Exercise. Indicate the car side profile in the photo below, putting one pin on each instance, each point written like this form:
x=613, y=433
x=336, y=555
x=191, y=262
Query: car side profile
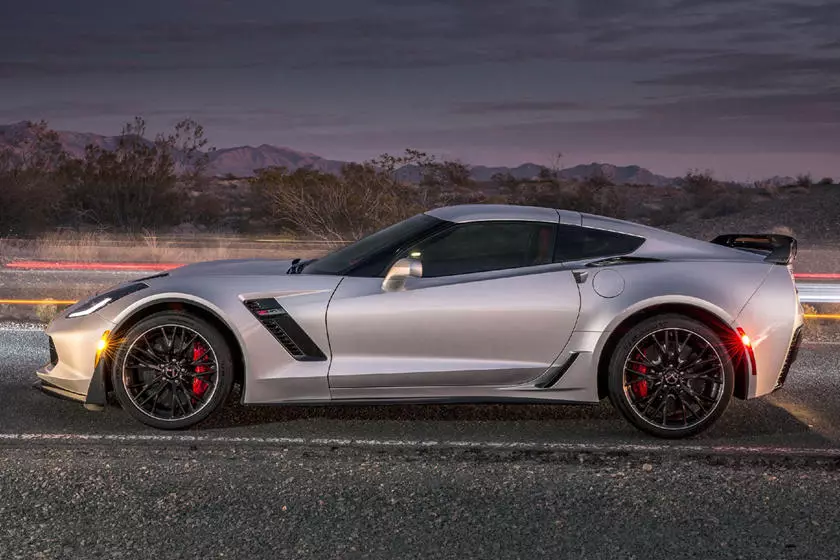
x=469, y=303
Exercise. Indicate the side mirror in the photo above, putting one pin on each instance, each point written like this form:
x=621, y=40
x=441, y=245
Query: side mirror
x=399, y=272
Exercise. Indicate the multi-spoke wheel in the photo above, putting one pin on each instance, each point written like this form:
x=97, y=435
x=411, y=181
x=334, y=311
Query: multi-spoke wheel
x=671, y=376
x=172, y=370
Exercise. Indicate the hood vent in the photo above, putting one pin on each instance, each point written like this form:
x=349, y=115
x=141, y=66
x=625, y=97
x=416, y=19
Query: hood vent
x=285, y=329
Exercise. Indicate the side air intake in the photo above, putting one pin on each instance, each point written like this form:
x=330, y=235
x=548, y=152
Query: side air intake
x=285, y=329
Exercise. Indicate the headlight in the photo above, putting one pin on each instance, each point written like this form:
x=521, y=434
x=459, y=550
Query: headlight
x=99, y=301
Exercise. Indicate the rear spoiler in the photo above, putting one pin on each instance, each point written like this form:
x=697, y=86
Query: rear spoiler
x=779, y=249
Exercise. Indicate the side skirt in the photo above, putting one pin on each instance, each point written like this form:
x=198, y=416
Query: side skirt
x=525, y=394
x=428, y=400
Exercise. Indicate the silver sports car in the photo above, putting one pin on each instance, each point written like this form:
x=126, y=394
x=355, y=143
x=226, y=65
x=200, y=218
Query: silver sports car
x=472, y=303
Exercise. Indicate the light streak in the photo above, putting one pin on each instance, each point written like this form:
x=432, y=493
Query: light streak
x=36, y=302
x=817, y=275
x=72, y=265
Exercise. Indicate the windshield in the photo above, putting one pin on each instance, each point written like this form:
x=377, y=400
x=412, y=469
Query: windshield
x=374, y=247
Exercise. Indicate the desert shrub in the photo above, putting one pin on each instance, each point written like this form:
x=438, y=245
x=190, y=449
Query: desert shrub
x=728, y=201
x=333, y=207
x=804, y=181
x=767, y=189
x=504, y=180
x=591, y=196
x=668, y=211
x=46, y=312
x=825, y=181
x=711, y=198
x=141, y=183
x=783, y=230
x=208, y=210
x=30, y=195
x=546, y=193
x=701, y=187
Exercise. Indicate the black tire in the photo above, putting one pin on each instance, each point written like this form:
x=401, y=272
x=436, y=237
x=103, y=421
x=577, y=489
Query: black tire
x=643, y=376
x=175, y=373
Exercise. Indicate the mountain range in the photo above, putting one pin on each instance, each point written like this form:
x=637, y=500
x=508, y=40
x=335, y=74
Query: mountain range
x=241, y=161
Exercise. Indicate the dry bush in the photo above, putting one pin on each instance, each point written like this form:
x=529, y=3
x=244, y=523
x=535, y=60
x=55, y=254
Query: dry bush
x=334, y=208
x=47, y=312
x=804, y=180
x=128, y=188
x=549, y=191
x=140, y=183
x=701, y=187
x=783, y=230
x=149, y=247
x=728, y=201
x=30, y=195
x=207, y=210
x=713, y=199
x=767, y=189
x=12, y=248
x=824, y=330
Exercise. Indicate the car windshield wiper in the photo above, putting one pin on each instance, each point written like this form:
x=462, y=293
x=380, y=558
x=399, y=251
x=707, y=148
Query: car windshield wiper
x=298, y=266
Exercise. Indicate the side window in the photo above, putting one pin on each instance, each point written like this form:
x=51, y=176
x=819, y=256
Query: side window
x=577, y=243
x=485, y=246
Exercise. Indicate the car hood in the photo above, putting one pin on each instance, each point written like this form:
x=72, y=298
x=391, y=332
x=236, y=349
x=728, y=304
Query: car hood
x=234, y=267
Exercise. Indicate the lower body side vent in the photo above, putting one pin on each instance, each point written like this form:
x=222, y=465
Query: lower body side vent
x=285, y=329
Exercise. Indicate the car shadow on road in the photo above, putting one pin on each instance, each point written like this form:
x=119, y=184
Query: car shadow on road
x=757, y=421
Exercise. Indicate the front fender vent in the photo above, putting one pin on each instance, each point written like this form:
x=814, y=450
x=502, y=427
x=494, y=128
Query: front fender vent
x=285, y=329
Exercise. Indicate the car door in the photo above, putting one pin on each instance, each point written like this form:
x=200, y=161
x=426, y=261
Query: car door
x=491, y=309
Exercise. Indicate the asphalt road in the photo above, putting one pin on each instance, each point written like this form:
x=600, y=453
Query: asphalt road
x=417, y=481
x=803, y=414
x=140, y=502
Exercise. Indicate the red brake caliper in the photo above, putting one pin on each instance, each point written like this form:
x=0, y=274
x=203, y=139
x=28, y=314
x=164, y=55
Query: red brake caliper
x=199, y=386
x=640, y=387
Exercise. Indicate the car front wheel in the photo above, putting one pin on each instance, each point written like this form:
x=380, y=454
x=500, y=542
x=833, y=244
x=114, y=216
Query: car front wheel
x=671, y=376
x=172, y=370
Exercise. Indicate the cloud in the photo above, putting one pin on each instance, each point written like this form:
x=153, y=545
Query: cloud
x=380, y=34
x=523, y=106
x=817, y=109
x=752, y=70
x=661, y=74
x=209, y=115
x=663, y=133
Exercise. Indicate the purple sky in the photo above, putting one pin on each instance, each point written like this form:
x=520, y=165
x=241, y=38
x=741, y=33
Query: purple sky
x=747, y=88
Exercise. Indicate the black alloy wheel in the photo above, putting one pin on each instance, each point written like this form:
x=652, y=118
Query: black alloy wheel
x=671, y=376
x=172, y=370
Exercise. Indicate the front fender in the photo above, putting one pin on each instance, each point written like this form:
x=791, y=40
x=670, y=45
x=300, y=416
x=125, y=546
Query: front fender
x=271, y=374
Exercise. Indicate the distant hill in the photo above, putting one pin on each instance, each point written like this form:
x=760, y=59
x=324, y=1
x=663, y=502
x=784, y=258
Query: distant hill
x=620, y=175
x=242, y=161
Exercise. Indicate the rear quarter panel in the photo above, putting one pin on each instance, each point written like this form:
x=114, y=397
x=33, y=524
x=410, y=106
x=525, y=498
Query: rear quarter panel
x=722, y=288
x=770, y=319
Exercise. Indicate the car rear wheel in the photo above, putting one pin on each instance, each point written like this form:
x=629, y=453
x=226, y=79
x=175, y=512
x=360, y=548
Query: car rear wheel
x=671, y=376
x=172, y=370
